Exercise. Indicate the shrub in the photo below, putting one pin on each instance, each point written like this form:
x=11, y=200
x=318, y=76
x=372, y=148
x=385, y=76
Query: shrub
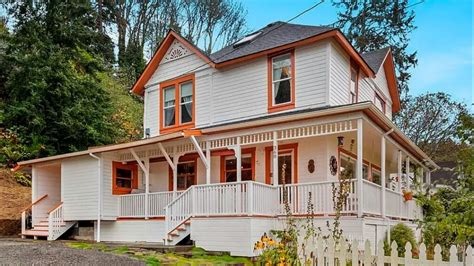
x=401, y=234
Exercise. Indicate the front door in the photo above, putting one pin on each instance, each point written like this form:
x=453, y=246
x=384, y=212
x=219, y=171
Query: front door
x=285, y=160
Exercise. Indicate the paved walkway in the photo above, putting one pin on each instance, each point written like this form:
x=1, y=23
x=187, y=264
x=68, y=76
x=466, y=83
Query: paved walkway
x=15, y=252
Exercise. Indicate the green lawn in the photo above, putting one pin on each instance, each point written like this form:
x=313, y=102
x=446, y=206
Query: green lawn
x=197, y=256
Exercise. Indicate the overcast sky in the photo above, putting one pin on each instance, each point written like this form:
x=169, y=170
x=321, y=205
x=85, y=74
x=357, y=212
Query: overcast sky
x=443, y=39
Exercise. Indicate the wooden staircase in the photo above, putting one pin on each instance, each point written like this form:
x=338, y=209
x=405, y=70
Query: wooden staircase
x=178, y=234
x=49, y=225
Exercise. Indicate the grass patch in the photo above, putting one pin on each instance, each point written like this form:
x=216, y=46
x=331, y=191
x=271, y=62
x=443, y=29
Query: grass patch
x=79, y=245
x=198, y=255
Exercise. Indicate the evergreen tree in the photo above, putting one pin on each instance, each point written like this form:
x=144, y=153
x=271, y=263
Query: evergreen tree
x=370, y=25
x=54, y=93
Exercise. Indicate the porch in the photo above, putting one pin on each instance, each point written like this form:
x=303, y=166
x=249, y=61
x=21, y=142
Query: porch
x=250, y=198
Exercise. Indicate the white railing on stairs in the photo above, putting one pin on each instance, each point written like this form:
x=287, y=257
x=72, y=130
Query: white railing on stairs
x=56, y=223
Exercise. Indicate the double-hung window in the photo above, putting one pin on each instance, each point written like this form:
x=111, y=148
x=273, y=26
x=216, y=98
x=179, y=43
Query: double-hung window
x=281, y=82
x=353, y=86
x=177, y=110
x=125, y=178
x=379, y=102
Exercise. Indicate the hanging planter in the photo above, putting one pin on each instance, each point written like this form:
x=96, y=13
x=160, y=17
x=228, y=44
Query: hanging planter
x=407, y=195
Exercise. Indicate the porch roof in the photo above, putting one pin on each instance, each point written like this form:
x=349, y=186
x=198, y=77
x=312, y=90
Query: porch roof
x=367, y=108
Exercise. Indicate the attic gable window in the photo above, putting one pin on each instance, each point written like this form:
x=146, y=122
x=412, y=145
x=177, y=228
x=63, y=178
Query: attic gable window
x=281, y=88
x=379, y=102
x=354, y=83
x=177, y=104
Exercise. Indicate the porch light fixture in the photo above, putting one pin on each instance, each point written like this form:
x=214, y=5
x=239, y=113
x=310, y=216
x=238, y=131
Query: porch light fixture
x=340, y=141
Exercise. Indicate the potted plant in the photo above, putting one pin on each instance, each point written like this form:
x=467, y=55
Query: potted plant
x=407, y=195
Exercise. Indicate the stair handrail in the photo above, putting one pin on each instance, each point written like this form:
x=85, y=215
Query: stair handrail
x=23, y=212
x=55, y=207
x=167, y=212
x=55, y=220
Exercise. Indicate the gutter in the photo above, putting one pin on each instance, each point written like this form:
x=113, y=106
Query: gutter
x=99, y=196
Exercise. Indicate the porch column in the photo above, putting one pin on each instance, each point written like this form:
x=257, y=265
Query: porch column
x=275, y=171
x=399, y=171
x=175, y=174
x=208, y=159
x=147, y=186
x=383, y=181
x=146, y=170
x=238, y=156
x=359, y=165
x=399, y=182
x=407, y=176
x=428, y=177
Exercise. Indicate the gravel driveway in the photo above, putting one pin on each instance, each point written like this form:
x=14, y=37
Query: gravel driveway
x=15, y=252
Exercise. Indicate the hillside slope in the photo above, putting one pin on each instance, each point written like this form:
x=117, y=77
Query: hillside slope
x=13, y=198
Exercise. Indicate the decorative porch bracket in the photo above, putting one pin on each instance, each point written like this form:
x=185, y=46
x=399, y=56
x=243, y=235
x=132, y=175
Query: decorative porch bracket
x=206, y=158
x=199, y=151
x=146, y=169
x=167, y=157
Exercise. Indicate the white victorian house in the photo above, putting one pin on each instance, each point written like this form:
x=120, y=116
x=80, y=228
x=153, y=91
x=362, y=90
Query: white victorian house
x=219, y=128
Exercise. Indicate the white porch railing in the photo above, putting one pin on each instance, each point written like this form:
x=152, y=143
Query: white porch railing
x=321, y=198
x=372, y=199
x=56, y=224
x=133, y=205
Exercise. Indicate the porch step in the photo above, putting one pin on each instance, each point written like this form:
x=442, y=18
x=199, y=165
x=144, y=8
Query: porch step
x=179, y=233
x=36, y=232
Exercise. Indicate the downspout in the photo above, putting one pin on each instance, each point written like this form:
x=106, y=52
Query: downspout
x=99, y=198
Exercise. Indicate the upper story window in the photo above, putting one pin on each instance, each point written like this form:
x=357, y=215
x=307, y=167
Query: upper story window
x=177, y=103
x=354, y=84
x=379, y=102
x=281, y=84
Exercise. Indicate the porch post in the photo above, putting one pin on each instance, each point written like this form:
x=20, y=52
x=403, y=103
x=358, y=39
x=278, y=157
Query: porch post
x=208, y=159
x=382, y=175
x=275, y=171
x=238, y=156
x=360, y=199
x=175, y=174
x=407, y=176
x=399, y=171
x=147, y=185
x=399, y=174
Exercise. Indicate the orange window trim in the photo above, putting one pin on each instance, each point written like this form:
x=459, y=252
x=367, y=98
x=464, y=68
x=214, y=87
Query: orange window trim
x=120, y=190
x=282, y=149
x=177, y=126
x=285, y=106
x=183, y=159
x=225, y=153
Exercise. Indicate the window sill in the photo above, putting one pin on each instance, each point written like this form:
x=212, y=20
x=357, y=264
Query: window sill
x=176, y=128
x=121, y=191
x=282, y=107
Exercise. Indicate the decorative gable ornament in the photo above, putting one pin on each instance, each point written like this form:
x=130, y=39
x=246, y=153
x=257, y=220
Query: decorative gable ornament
x=176, y=51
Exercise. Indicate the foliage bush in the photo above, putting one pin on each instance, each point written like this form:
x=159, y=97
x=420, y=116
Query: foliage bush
x=401, y=234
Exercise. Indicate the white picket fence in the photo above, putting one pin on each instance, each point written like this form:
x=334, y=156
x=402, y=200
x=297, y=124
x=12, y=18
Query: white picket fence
x=327, y=253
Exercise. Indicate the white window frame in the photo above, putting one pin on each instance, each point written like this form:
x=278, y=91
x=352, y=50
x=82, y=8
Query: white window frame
x=184, y=103
x=168, y=107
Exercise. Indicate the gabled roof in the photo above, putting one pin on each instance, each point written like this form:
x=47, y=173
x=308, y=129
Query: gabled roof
x=376, y=58
x=384, y=57
x=275, y=37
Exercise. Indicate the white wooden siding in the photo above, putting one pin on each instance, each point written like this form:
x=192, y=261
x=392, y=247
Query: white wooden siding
x=339, y=76
x=366, y=89
x=80, y=184
x=109, y=201
x=152, y=110
x=132, y=231
x=311, y=67
x=47, y=180
x=381, y=81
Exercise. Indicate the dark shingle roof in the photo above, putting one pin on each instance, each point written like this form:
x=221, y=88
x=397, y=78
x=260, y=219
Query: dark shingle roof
x=273, y=35
x=375, y=58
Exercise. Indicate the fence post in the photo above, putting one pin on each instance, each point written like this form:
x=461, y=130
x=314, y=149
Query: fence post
x=422, y=256
x=469, y=256
x=394, y=253
x=355, y=252
x=408, y=254
x=367, y=253
x=381, y=253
